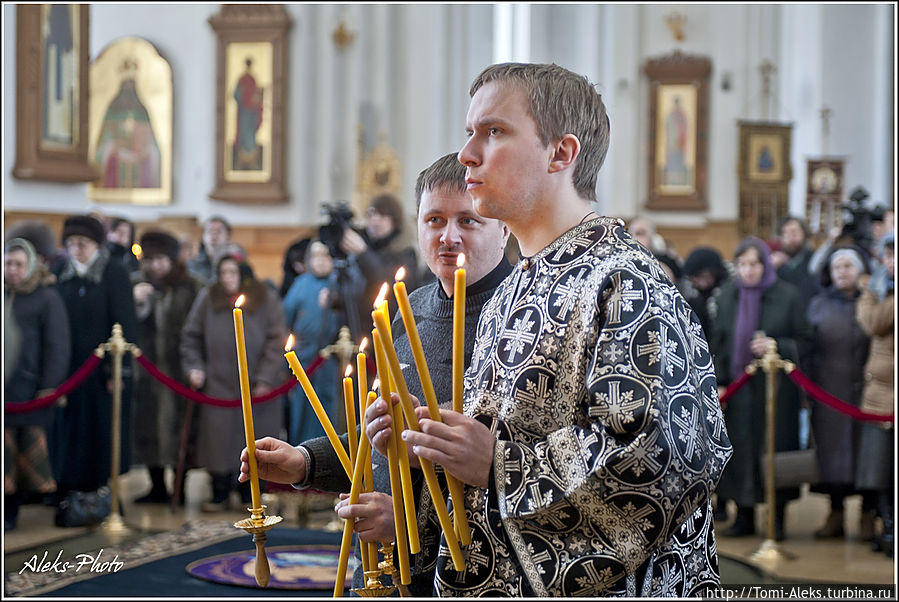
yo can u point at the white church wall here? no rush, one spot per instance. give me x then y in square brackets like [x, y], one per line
[407, 71]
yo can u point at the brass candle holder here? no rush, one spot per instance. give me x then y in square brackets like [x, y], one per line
[373, 586]
[258, 524]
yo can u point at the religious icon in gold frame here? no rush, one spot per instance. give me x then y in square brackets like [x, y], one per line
[678, 117]
[250, 103]
[52, 53]
[131, 124]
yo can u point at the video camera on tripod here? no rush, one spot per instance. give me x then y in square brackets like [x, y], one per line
[339, 217]
[346, 279]
[857, 218]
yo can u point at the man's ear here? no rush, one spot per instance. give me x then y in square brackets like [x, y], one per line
[564, 154]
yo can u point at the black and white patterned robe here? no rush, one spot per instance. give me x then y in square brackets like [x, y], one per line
[595, 376]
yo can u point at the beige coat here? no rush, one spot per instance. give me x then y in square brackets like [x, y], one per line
[876, 318]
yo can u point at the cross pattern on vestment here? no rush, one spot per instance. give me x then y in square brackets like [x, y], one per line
[538, 500]
[713, 417]
[618, 407]
[640, 457]
[688, 422]
[519, 335]
[474, 559]
[566, 293]
[661, 348]
[595, 581]
[622, 297]
[535, 393]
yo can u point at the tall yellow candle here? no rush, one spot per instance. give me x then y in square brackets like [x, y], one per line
[387, 385]
[345, 543]
[301, 376]
[362, 378]
[458, 332]
[427, 468]
[396, 484]
[349, 401]
[457, 490]
[246, 401]
[370, 550]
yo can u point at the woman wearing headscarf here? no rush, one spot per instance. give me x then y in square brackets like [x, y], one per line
[757, 312]
[38, 367]
[876, 470]
[96, 290]
[837, 366]
[209, 358]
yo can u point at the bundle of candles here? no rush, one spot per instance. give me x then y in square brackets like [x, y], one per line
[357, 463]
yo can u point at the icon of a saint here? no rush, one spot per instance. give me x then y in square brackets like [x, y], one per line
[246, 152]
[127, 151]
[675, 172]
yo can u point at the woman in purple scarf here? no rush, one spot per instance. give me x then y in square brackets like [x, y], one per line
[757, 312]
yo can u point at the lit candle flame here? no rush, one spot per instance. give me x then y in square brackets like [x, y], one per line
[376, 384]
[382, 294]
[348, 372]
[240, 300]
[460, 260]
[289, 345]
[363, 344]
[400, 273]
[136, 250]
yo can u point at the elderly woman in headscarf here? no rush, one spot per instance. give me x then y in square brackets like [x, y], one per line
[209, 358]
[757, 313]
[96, 290]
[837, 366]
[40, 365]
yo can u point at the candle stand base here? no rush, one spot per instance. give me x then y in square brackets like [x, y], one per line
[373, 586]
[258, 524]
[769, 551]
[115, 525]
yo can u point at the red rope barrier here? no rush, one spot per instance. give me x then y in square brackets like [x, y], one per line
[184, 391]
[89, 365]
[733, 387]
[836, 403]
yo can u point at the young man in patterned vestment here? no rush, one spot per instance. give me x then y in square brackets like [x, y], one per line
[592, 437]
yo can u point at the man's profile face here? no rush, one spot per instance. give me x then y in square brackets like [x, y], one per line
[448, 225]
[507, 164]
[792, 237]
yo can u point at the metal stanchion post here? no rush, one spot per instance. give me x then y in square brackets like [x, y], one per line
[770, 363]
[343, 348]
[117, 346]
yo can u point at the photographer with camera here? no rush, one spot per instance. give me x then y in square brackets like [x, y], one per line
[862, 227]
[378, 251]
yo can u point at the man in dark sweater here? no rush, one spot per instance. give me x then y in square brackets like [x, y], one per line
[447, 226]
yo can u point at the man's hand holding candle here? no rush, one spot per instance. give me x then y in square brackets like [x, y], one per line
[373, 514]
[379, 425]
[276, 461]
[462, 445]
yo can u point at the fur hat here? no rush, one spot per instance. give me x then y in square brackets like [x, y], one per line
[156, 242]
[84, 225]
[37, 233]
[704, 258]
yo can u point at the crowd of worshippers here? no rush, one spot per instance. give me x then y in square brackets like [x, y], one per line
[821, 306]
